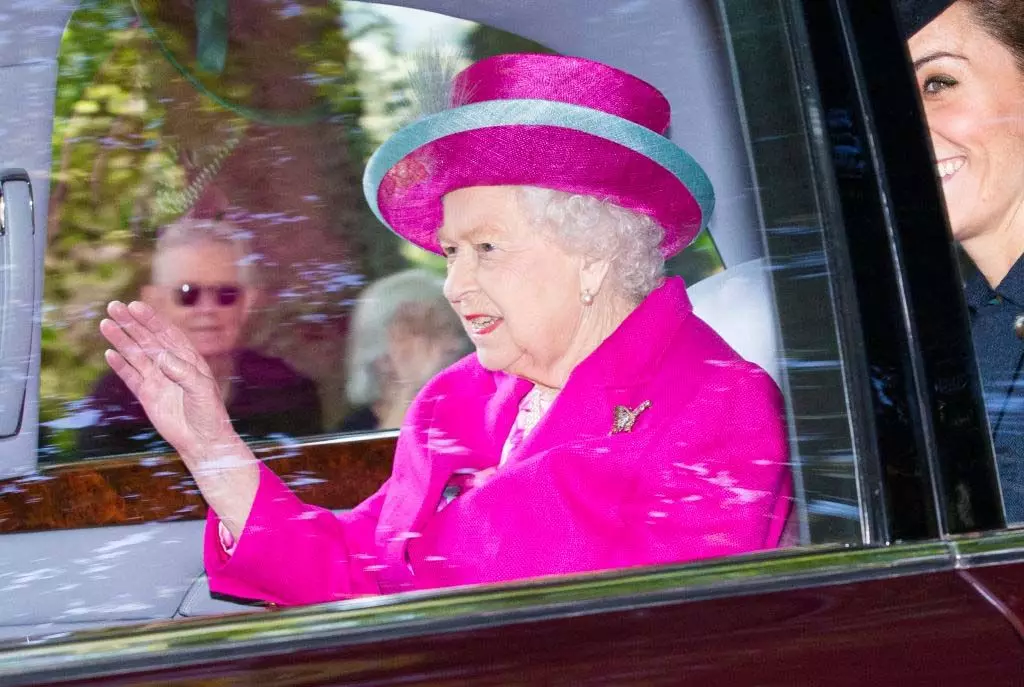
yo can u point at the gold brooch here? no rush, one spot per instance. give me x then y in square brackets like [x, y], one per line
[624, 417]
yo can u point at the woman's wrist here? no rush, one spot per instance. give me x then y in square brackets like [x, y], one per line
[227, 475]
[211, 455]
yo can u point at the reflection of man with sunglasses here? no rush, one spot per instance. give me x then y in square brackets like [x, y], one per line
[202, 282]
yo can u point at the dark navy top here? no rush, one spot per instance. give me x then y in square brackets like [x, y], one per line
[997, 333]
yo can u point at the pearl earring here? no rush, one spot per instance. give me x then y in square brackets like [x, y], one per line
[587, 298]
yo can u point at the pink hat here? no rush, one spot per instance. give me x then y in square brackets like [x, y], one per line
[563, 123]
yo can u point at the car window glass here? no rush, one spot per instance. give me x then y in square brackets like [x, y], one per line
[217, 172]
[150, 137]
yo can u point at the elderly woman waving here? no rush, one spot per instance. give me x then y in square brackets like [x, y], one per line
[599, 424]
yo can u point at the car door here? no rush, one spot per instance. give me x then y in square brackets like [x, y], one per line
[893, 470]
[126, 164]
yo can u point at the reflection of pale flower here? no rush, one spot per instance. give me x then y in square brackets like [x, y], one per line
[743, 497]
[446, 446]
[699, 468]
[722, 479]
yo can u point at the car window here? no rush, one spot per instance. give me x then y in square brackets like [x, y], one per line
[150, 139]
[214, 168]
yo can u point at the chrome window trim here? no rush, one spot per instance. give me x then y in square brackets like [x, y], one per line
[190, 642]
[335, 438]
[988, 548]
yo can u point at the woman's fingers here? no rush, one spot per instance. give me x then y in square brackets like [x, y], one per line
[136, 328]
[147, 317]
[126, 346]
[123, 369]
[151, 333]
[187, 376]
[170, 349]
[146, 346]
[169, 338]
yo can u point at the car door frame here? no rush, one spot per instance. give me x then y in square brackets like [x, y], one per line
[931, 533]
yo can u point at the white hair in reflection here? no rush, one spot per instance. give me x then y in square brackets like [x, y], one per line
[585, 225]
[196, 232]
[377, 306]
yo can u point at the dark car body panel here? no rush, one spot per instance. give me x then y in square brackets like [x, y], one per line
[929, 629]
[906, 615]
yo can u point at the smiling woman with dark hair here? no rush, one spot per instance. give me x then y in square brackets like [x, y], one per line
[599, 424]
[969, 61]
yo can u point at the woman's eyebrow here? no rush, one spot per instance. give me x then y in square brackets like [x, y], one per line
[930, 57]
[470, 236]
[484, 231]
[476, 233]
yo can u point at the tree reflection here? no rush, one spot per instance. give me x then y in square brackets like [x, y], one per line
[272, 142]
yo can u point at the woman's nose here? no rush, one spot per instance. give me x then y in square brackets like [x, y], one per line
[207, 303]
[460, 279]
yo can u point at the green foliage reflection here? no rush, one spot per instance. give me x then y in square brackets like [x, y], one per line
[275, 140]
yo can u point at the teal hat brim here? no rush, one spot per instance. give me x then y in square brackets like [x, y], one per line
[525, 112]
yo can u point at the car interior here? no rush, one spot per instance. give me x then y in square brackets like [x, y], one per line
[768, 297]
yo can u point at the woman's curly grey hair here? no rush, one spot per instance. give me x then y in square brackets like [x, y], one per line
[600, 229]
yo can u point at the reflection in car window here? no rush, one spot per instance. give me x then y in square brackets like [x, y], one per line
[403, 332]
[155, 136]
[202, 281]
[146, 137]
[272, 141]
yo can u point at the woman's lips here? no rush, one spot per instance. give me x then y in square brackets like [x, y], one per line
[482, 324]
[205, 334]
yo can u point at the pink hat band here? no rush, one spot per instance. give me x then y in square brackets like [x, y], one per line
[563, 79]
[563, 123]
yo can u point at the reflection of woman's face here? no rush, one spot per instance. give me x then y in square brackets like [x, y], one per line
[973, 93]
[214, 329]
[516, 291]
[423, 338]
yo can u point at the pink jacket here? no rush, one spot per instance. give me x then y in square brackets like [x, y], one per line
[702, 473]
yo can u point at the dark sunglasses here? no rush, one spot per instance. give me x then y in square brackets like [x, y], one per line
[226, 295]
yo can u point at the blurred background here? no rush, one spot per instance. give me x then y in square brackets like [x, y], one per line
[263, 116]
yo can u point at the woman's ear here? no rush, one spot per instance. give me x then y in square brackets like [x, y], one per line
[593, 273]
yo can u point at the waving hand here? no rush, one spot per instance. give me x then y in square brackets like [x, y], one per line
[182, 399]
[171, 380]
